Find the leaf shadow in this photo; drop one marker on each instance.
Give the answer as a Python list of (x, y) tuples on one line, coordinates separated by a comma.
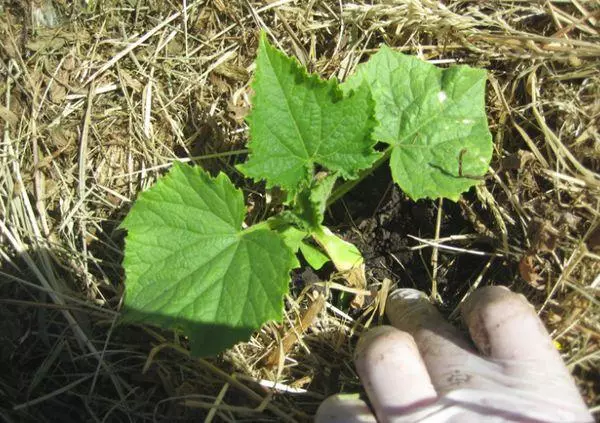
[(54, 368), (205, 339)]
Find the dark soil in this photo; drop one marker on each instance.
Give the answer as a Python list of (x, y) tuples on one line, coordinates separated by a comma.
[(378, 218)]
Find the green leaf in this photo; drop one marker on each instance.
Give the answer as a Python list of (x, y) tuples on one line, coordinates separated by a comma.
[(321, 191), (429, 116), (189, 264), (285, 224), (299, 121), (291, 236), (313, 255), (310, 203), (346, 258)]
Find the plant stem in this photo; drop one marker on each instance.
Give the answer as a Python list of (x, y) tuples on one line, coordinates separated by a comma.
[(434, 254), (217, 155), (340, 191), (264, 224)]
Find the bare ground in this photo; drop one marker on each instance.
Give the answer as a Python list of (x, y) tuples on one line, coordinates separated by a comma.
[(96, 102)]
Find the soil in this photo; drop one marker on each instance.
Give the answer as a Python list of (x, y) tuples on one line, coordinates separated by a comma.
[(378, 218), (182, 90)]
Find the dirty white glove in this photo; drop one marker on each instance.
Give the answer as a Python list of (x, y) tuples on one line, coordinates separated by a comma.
[(424, 370)]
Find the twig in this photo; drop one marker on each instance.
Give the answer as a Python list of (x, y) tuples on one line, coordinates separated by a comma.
[(83, 151), (434, 254), (52, 394), (454, 249)]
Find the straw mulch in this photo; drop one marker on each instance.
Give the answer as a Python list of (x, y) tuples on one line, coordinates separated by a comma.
[(98, 99)]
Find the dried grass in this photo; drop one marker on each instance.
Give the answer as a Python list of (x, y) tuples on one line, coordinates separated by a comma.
[(97, 102)]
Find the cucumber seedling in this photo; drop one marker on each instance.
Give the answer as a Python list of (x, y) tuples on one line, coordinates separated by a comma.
[(189, 262)]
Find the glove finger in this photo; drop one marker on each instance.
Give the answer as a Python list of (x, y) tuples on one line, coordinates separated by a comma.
[(392, 372), (342, 408), (506, 328), (450, 358)]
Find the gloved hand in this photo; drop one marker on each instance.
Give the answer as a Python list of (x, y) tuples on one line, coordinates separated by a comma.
[(424, 370)]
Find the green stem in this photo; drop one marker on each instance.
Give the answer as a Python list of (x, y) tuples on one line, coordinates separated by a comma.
[(218, 155), (340, 191), (264, 224)]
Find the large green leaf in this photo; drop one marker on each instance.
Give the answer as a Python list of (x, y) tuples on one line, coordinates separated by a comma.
[(190, 265), (434, 119), (299, 121)]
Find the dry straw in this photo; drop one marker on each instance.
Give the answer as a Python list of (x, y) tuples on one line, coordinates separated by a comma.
[(98, 100)]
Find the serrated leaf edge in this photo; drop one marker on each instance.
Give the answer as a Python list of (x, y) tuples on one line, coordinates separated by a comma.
[(333, 87)]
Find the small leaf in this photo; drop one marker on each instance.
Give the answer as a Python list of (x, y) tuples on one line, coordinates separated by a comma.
[(299, 121), (189, 264), (315, 258), (320, 194), (346, 258), (434, 119), (291, 236), (310, 203)]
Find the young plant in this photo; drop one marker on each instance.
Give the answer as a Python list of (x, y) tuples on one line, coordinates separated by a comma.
[(190, 264)]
